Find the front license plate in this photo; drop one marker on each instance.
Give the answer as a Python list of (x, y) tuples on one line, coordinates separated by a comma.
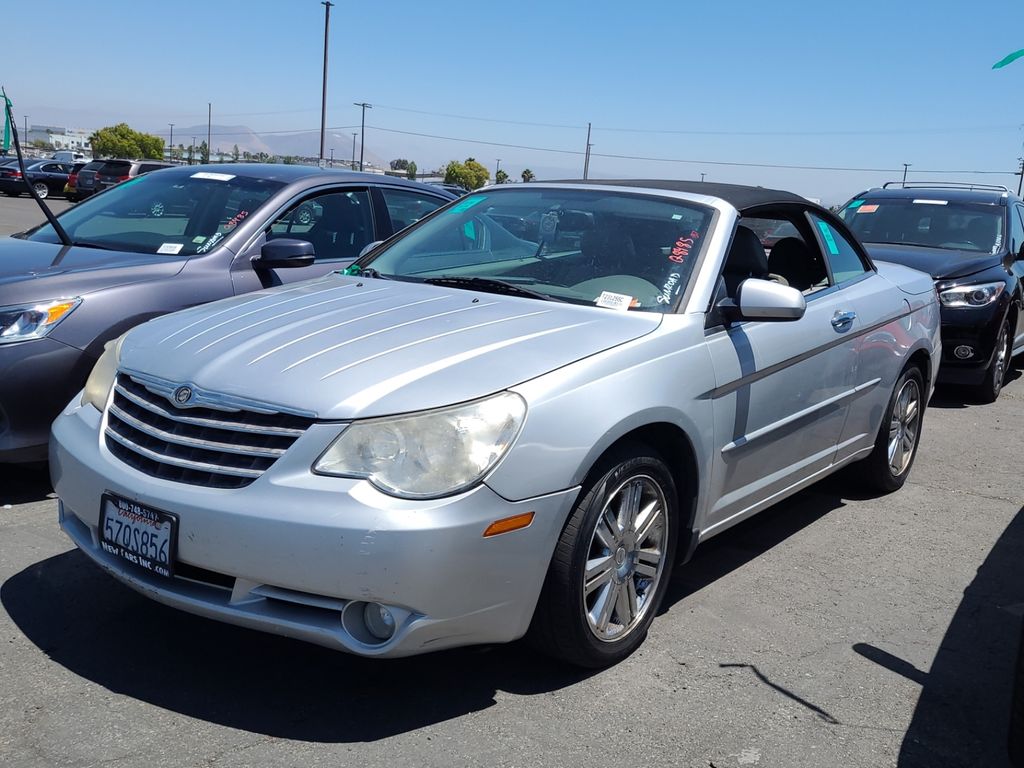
[(145, 537)]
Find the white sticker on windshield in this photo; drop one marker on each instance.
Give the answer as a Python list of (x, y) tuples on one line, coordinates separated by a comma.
[(213, 176), (198, 239), (619, 301), (170, 248), (931, 202)]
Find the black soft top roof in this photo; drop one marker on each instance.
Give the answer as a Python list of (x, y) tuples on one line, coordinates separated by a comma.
[(739, 196)]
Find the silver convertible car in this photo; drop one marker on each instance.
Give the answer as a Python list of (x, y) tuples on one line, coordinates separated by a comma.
[(512, 419)]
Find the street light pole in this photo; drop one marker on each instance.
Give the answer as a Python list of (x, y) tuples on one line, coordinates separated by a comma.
[(1020, 172), (192, 154), (354, 134), (332, 157), (170, 144), (586, 157), (362, 129), (327, 4), (905, 166), (702, 176), (497, 167), (209, 124)]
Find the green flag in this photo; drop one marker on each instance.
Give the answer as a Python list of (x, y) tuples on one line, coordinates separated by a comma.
[(7, 122), (1009, 59)]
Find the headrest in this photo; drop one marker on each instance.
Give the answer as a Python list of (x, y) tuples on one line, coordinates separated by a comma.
[(746, 256)]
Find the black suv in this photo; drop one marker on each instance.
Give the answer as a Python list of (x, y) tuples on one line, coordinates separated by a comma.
[(100, 174), (970, 239)]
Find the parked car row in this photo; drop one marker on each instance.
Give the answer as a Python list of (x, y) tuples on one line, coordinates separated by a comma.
[(513, 417)]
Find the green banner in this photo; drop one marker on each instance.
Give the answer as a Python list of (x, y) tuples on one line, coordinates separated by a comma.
[(1009, 59)]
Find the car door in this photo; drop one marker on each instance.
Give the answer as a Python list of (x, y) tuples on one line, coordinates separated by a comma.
[(405, 207), (782, 396), (1017, 240), (338, 221)]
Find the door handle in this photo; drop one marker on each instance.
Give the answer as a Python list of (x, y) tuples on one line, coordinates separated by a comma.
[(843, 320)]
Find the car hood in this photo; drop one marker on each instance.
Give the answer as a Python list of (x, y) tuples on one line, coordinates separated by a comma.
[(342, 347), (940, 263), (33, 271)]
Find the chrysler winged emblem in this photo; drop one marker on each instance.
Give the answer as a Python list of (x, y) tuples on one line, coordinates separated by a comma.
[(182, 395)]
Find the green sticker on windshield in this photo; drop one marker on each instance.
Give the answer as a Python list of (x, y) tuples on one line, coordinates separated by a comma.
[(826, 232), (468, 203), (128, 183), (855, 204)]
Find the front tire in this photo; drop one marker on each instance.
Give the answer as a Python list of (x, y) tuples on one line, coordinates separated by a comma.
[(612, 563), (888, 465), (42, 190), (995, 375)]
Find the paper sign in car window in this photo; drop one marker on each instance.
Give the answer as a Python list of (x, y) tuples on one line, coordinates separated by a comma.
[(468, 203), (619, 301), (170, 248), (213, 176), (826, 232), (855, 204), (868, 208)]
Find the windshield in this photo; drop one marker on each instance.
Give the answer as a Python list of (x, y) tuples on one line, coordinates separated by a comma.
[(930, 222), (609, 249), (160, 213)]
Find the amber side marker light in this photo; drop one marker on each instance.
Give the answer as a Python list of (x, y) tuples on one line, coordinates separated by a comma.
[(509, 524), (57, 311)]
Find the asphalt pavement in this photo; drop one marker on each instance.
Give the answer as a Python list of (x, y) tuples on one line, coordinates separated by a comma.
[(20, 213), (837, 629)]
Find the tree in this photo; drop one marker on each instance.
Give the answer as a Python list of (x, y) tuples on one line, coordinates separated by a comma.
[(122, 141), (528, 175), (501, 177), (410, 172), (400, 165), (204, 152), (234, 153), (470, 174)]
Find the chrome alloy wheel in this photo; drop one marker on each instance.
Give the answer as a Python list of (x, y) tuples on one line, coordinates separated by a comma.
[(904, 427), (1002, 358), (625, 560)]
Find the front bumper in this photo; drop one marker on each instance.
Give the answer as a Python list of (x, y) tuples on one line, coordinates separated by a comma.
[(299, 555), (975, 328), (37, 378)]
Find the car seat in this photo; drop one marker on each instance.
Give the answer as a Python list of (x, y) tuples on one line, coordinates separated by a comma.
[(799, 265), (746, 258)]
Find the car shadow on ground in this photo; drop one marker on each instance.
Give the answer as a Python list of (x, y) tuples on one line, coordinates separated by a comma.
[(106, 633), (951, 397), (23, 484), (962, 716)]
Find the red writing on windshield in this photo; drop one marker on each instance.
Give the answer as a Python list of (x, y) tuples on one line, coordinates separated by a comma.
[(682, 247)]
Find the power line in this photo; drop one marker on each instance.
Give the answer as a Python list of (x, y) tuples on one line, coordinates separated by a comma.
[(481, 119)]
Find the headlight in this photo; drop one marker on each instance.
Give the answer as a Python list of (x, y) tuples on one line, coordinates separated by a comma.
[(101, 380), (33, 321), (431, 454), (971, 295)]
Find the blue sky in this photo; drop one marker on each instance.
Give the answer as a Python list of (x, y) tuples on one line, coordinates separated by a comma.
[(866, 84)]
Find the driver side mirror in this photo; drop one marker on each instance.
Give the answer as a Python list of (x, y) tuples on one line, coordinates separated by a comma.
[(764, 300), (285, 253)]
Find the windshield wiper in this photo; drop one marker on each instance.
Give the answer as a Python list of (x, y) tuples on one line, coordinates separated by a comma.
[(489, 285)]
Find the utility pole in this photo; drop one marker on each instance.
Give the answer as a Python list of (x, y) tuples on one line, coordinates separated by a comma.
[(702, 176), (332, 157), (497, 167), (354, 134), (1020, 173), (905, 166), (170, 144), (26, 127), (362, 129), (209, 124), (586, 156), (327, 4)]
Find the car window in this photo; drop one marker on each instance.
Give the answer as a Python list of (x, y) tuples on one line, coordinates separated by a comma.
[(607, 249), (929, 220), (841, 256), (408, 206), (338, 224), (792, 260), (1016, 229), (165, 214)]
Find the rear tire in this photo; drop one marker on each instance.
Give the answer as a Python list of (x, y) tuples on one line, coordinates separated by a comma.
[(887, 467), (995, 375), (613, 561), (41, 190)]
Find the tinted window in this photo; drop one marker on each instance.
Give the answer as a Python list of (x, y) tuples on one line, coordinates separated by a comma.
[(928, 220), (409, 206), (844, 260), (1016, 229), (338, 224)]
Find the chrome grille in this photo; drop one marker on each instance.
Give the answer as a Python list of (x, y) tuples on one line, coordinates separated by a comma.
[(198, 446)]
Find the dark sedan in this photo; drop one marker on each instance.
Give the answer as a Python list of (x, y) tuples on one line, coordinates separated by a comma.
[(970, 239), (47, 177), (162, 242)]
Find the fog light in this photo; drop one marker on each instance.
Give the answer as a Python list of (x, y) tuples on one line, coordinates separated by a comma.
[(379, 621), (963, 352)]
